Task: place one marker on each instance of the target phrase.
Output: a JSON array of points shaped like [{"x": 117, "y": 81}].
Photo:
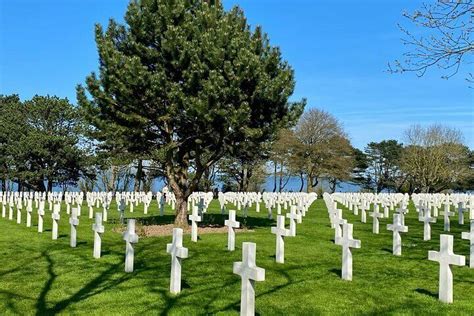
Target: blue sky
[{"x": 339, "y": 50}]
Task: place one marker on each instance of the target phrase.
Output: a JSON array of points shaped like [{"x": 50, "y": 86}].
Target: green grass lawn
[{"x": 42, "y": 276}]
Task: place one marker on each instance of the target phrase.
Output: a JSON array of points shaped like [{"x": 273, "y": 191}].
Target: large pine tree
[{"x": 185, "y": 82}]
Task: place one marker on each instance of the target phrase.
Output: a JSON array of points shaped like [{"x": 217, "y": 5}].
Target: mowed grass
[{"x": 42, "y": 276}]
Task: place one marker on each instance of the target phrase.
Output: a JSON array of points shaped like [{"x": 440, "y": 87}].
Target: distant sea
[{"x": 293, "y": 185}]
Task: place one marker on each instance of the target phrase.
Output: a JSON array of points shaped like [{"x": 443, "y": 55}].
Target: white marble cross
[
  {"x": 194, "y": 218},
  {"x": 74, "y": 221},
  {"x": 91, "y": 209},
  {"x": 402, "y": 210},
  {"x": 347, "y": 242},
  {"x": 363, "y": 214},
  {"x": 293, "y": 216},
  {"x": 121, "y": 209},
  {"x": 56, "y": 217},
  {"x": 446, "y": 214},
  {"x": 470, "y": 236},
  {"x": 427, "y": 219},
  {"x": 10, "y": 209},
  {"x": 4, "y": 209},
  {"x": 249, "y": 273},
  {"x": 29, "y": 210},
  {"x": 461, "y": 213},
  {"x": 338, "y": 222},
  {"x": 177, "y": 252},
  {"x": 231, "y": 223},
  {"x": 280, "y": 232},
  {"x": 446, "y": 257},
  {"x": 397, "y": 227},
  {"x": 18, "y": 212},
  {"x": 376, "y": 215},
  {"x": 98, "y": 229},
  {"x": 40, "y": 216},
  {"x": 130, "y": 238},
  {"x": 386, "y": 211}
]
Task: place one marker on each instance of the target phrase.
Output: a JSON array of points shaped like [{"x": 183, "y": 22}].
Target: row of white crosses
[
  {"x": 247, "y": 268},
  {"x": 424, "y": 203}
]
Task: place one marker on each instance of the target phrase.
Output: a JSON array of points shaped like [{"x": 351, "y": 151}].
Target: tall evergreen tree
[{"x": 185, "y": 82}]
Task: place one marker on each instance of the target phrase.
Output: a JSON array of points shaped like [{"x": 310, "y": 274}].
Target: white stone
[
  {"x": 74, "y": 222},
  {"x": 397, "y": 227},
  {"x": 347, "y": 242},
  {"x": 177, "y": 252},
  {"x": 427, "y": 219},
  {"x": 363, "y": 215},
  {"x": 18, "y": 213},
  {"x": 375, "y": 215},
  {"x": 338, "y": 222},
  {"x": 294, "y": 217},
  {"x": 280, "y": 232},
  {"x": 470, "y": 236},
  {"x": 98, "y": 229},
  {"x": 461, "y": 213},
  {"x": 446, "y": 213},
  {"x": 194, "y": 218},
  {"x": 40, "y": 216},
  {"x": 249, "y": 273},
  {"x": 231, "y": 223},
  {"x": 10, "y": 210},
  {"x": 446, "y": 257},
  {"x": 130, "y": 238},
  {"x": 29, "y": 209},
  {"x": 56, "y": 217}
]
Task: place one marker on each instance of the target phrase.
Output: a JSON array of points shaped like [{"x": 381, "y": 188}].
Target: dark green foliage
[
  {"x": 383, "y": 159},
  {"x": 184, "y": 83},
  {"x": 41, "y": 142}
]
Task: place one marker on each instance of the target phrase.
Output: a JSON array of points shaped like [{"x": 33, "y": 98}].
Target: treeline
[
  {"x": 317, "y": 150},
  {"x": 45, "y": 142}
]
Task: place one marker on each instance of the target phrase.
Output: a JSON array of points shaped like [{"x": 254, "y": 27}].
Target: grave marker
[
  {"x": 231, "y": 223},
  {"x": 470, "y": 236},
  {"x": 446, "y": 258},
  {"x": 397, "y": 227},
  {"x": 98, "y": 229},
  {"x": 73, "y": 221},
  {"x": 347, "y": 242},
  {"x": 177, "y": 252},
  {"x": 249, "y": 273},
  {"x": 280, "y": 232},
  {"x": 130, "y": 238}
]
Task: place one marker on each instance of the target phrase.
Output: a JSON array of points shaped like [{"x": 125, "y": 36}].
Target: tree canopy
[{"x": 186, "y": 82}]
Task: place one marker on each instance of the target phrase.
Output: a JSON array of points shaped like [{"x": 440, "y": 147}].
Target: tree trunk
[
  {"x": 275, "y": 176},
  {"x": 245, "y": 184},
  {"x": 138, "y": 176},
  {"x": 302, "y": 182},
  {"x": 181, "y": 213},
  {"x": 50, "y": 185}
]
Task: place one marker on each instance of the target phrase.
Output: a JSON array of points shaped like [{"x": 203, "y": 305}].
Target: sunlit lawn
[{"x": 42, "y": 276}]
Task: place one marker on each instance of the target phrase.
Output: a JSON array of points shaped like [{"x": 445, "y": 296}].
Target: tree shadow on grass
[
  {"x": 337, "y": 272},
  {"x": 426, "y": 292},
  {"x": 97, "y": 285}
]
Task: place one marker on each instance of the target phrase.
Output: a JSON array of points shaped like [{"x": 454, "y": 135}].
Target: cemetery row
[
  {"x": 295, "y": 206},
  {"x": 428, "y": 206}
]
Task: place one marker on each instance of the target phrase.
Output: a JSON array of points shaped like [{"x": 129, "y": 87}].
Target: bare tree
[
  {"x": 434, "y": 157},
  {"x": 445, "y": 40},
  {"x": 322, "y": 143}
]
